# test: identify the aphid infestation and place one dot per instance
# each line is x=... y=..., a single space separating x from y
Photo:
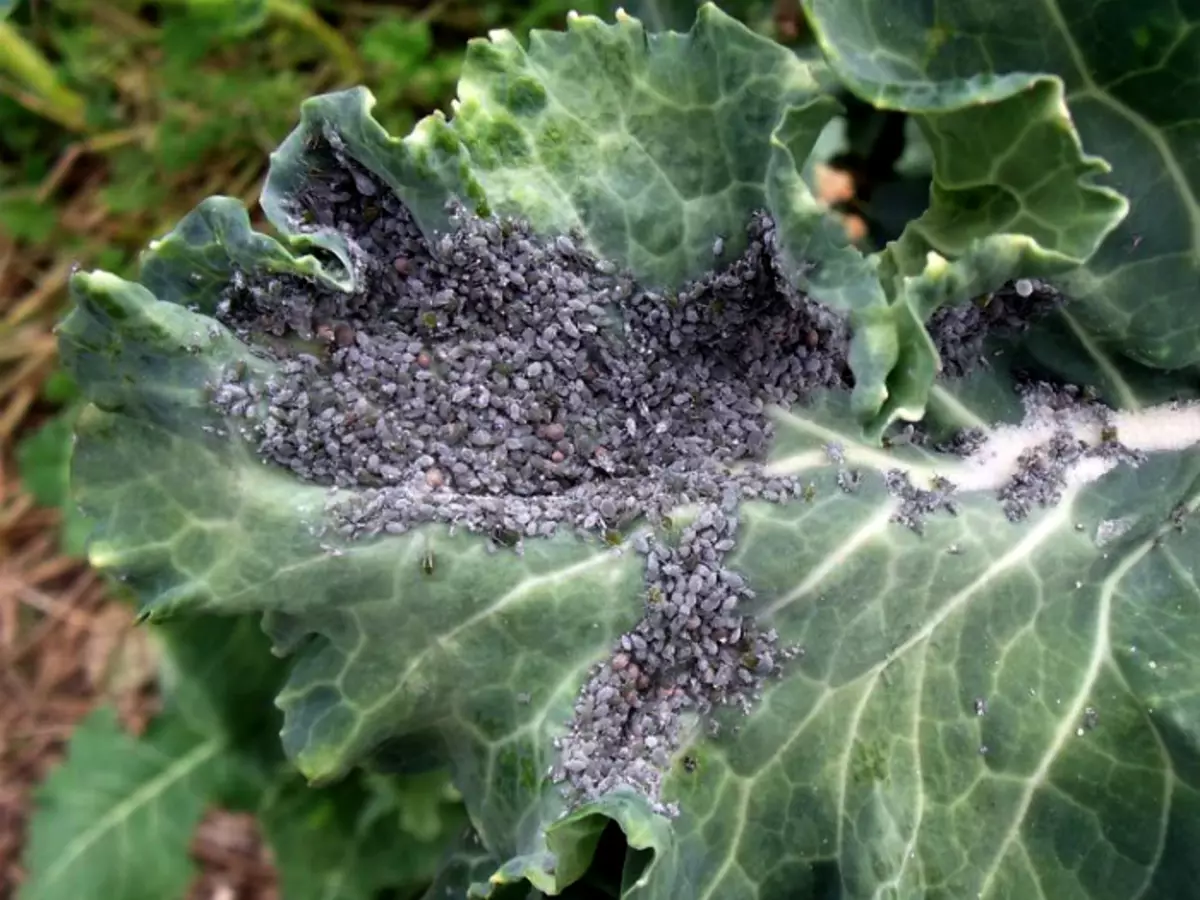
x=605 y=464
x=514 y=384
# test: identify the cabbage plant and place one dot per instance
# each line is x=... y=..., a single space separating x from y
x=567 y=442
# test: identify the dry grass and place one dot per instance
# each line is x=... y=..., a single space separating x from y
x=65 y=644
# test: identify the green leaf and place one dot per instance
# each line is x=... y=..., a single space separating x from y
x=60 y=388
x=116 y=819
x=43 y=459
x=240 y=534
x=350 y=842
x=652 y=144
x=25 y=219
x=862 y=768
x=1119 y=67
x=220 y=677
x=679 y=15
x=226 y=18
x=397 y=44
x=464 y=871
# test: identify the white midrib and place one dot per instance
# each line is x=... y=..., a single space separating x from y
x=122 y=811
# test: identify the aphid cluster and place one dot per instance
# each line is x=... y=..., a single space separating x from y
x=917 y=504
x=692 y=650
x=1041 y=475
x=959 y=330
x=512 y=385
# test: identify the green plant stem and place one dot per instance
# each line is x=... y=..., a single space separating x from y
x=24 y=62
x=297 y=13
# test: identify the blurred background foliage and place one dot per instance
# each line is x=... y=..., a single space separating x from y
x=116 y=118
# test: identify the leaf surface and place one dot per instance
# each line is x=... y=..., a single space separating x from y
x=869 y=770
x=865 y=767
x=1128 y=72
x=193 y=521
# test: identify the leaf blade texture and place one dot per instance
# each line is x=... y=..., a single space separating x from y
x=1119 y=73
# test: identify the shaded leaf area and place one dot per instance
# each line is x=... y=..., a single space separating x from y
x=117 y=818
x=866 y=768
x=218 y=676
x=359 y=838
x=1128 y=74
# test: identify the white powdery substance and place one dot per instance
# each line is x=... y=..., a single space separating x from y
x=1164 y=428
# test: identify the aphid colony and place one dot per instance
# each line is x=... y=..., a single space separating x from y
x=513 y=385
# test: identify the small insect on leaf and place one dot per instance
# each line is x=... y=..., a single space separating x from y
x=810 y=492
x=1179 y=517
x=690 y=763
x=505 y=537
x=1108 y=434
x=428 y=561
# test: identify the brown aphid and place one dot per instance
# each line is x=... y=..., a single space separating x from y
x=343 y=334
x=554 y=432
x=325 y=333
x=434 y=478
x=424 y=360
x=401 y=264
